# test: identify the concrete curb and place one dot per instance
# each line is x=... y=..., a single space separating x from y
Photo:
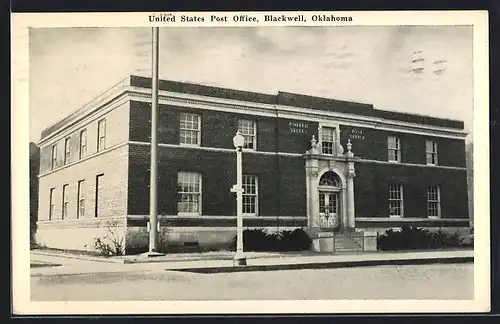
x=319 y=264
x=326 y=265
x=144 y=260
x=79 y=257
x=200 y=258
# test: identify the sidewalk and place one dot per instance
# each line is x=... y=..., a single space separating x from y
x=219 y=262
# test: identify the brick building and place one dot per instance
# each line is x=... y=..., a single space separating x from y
x=34 y=169
x=305 y=158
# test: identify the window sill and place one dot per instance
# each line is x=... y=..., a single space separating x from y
x=189 y=145
x=189 y=214
x=395 y=216
x=433 y=217
x=393 y=161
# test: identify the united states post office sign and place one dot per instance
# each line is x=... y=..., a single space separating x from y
x=298 y=127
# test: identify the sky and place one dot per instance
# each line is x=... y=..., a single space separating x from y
x=415 y=69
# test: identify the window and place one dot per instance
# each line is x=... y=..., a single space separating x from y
x=328 y=201
x=433 y=202
x=101 y=135
x=328 y=140
x=394 y=149
x=395 y=200
x=248 y=130
x=54 y=157
x=67 y=150
x=431 y=152
x=250 y=195
x=52 y=204
x=329 y=179
x=98 y=189
x=189 y=190
x=65 y=202
x=83 y=143
x=189 y=129
x=80 y=209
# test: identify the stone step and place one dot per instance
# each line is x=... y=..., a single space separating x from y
x=346 y=244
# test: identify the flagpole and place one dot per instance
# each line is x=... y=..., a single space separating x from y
x=153 y=199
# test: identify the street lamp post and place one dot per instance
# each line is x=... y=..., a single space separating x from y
x=239 y=257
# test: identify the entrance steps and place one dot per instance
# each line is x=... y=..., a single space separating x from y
x=348 y=243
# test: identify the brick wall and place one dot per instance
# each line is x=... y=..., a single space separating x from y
x=113 y=165
x=218 y=171
x=218 y=128
x=372 y=144
x=117 y=122
x=79 y=234
x=372 y=181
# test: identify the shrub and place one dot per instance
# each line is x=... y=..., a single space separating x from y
x=413 y=238
x=111 y=244
x=296 y=240
x=260 y=240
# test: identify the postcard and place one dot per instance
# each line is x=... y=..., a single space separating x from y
x=250 y=162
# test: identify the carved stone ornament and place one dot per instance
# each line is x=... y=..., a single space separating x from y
x=314 y=145
x=340 y=148
x=313 y=173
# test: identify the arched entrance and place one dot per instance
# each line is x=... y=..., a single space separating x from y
x=330 y=199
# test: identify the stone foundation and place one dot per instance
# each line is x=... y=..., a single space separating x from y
x=78 y=239
x=206 y=238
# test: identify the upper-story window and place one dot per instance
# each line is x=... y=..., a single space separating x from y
x=101 y=135
x=83 y=143
x=190 y=133
x=328 y=140
x=431 y=152
x=67 y=150
x=394 y=149
x=249 y=132
x=53 y=161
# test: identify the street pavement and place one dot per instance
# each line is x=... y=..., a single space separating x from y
x=436 y=281
x=85 y=280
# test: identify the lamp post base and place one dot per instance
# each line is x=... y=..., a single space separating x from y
x=239 y=260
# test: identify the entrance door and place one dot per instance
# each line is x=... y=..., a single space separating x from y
x=329 y=189
x=329 y=208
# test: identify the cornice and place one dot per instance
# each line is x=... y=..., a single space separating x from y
x=237 y=106
x=294 y=112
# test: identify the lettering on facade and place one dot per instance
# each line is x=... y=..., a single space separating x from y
x=298 y=127
x=356 y=134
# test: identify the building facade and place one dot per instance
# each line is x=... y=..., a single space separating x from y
x=308 y=162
